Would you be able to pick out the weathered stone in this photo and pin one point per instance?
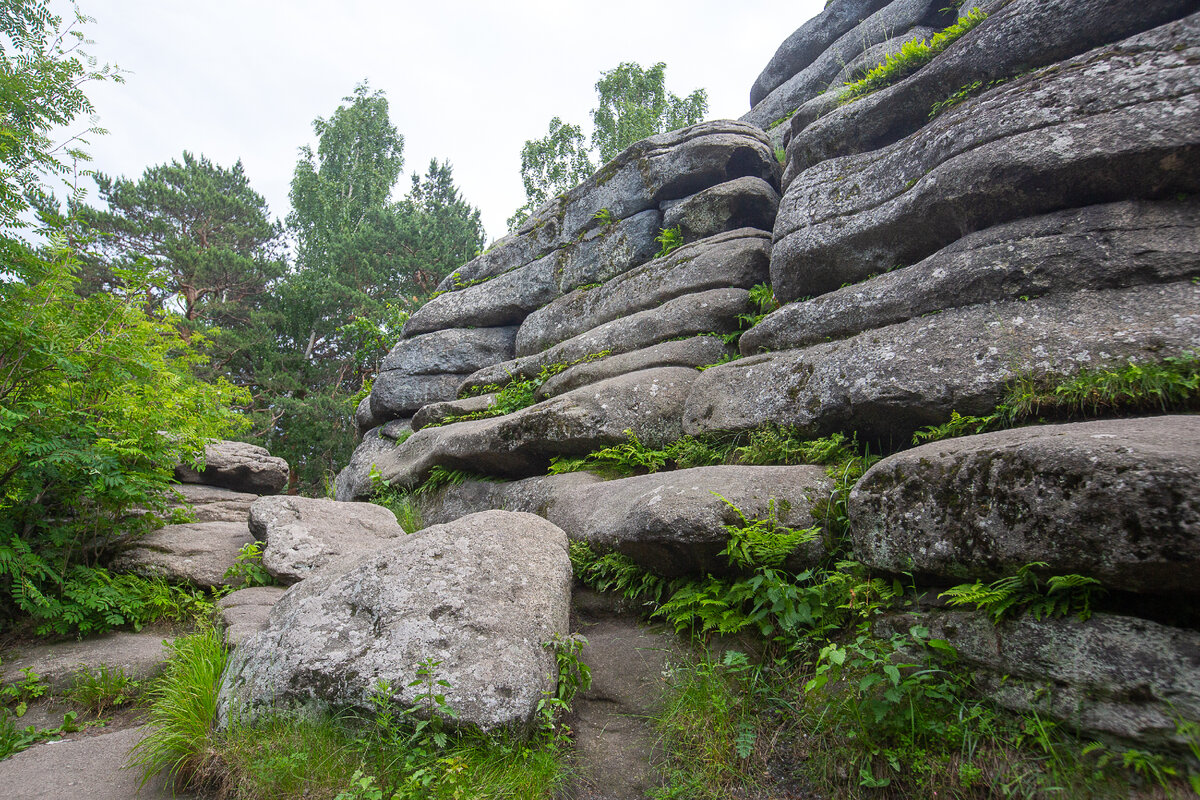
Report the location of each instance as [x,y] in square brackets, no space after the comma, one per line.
[139,655]
[1097,247]
[609,250]
[397,394]
[540,234]
[214,504]
[239,466]
[503,300]
[1108,676]
[364,418]
[354,481]
[244,613]
[521,443]
[196,552]
[459,350]
[670,166]
[480,596]
[714,311]
[742,203]
[877,54]
[535,495]
[1016,37]
[736,259]
[305,534]
[898,15]
[437,413]
[1016,151]
[811,40]
[673,523]
[698,351]
[1116,500]
[888,382]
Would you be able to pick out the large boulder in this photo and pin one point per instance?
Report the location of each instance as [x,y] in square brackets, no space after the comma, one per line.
[212,503]
[1015,151]
[1017,36]
[609,250]
[238,466]
[503,300]
[519,444]
[1096,247]
[458,350]
[1108,676]
[888,382]
[811,40]
[397,394]
[305,534]
[1115,500]
[741,203]
[479,598]
[199,553]
[737,259]
[713,311]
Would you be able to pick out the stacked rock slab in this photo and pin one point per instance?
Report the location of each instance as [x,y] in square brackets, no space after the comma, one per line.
[581,293]
[219,495]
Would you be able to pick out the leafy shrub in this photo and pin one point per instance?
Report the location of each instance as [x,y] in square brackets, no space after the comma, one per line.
[248,569]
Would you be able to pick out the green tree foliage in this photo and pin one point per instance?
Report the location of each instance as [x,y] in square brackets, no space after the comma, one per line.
[632,103]
[98,401]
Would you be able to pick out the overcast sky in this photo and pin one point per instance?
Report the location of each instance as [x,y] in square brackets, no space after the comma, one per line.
[466,81]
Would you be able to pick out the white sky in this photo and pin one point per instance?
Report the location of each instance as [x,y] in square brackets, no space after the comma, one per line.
[467,81]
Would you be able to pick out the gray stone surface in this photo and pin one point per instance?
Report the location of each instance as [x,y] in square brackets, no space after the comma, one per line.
[1116,500]
[540,234]
[481,595]
[811,40]
[396,394]
[239,466]
[1096,247]
[458,350]
[503,300]
[535,495]
[364,417]
[1013,152]
[667,167]
[898,15]
[741,203]
[353,482]
[139,654]
[1016,37]
[609,250]
[521,443]
[736,259]
[437,413]
[888,382]
[697,351]
[1109,676]
[197,552]
[306,534]
[877,54]
[90,766]
[714,311]
[244,613]
[214,504]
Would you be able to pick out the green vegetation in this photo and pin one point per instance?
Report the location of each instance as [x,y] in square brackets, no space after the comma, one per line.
[100,690]
[1167,386]
[763,296]
[248,569]
[668,239]
[605,216]
[912,56]
[632,103]
[518,393]
[968,91]
[1026,593]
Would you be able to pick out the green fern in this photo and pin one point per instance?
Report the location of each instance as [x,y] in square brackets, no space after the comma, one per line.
[1026,593]
[668,239]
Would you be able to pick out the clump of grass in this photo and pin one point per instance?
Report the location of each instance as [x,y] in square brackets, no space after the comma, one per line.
[912,56]
[183,703]
[103,689]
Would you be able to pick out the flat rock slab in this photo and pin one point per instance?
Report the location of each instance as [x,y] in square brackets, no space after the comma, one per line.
[397,394]
[305,534]
[197,552]
[1013,152]
[480,595]
[1108,676]
[238,466]
[503,300]
[140,655]
[1096,247]
[613,740]
[697,351]
[712,311]
[437,413]
[454,350]
[244,613]
[214,504]
[891,381]
[87,767]
[736,259]
[520,444]
[1117,500]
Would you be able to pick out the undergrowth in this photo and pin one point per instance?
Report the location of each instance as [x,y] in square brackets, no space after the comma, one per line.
[1166,386]
[912,56]
[519,392]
